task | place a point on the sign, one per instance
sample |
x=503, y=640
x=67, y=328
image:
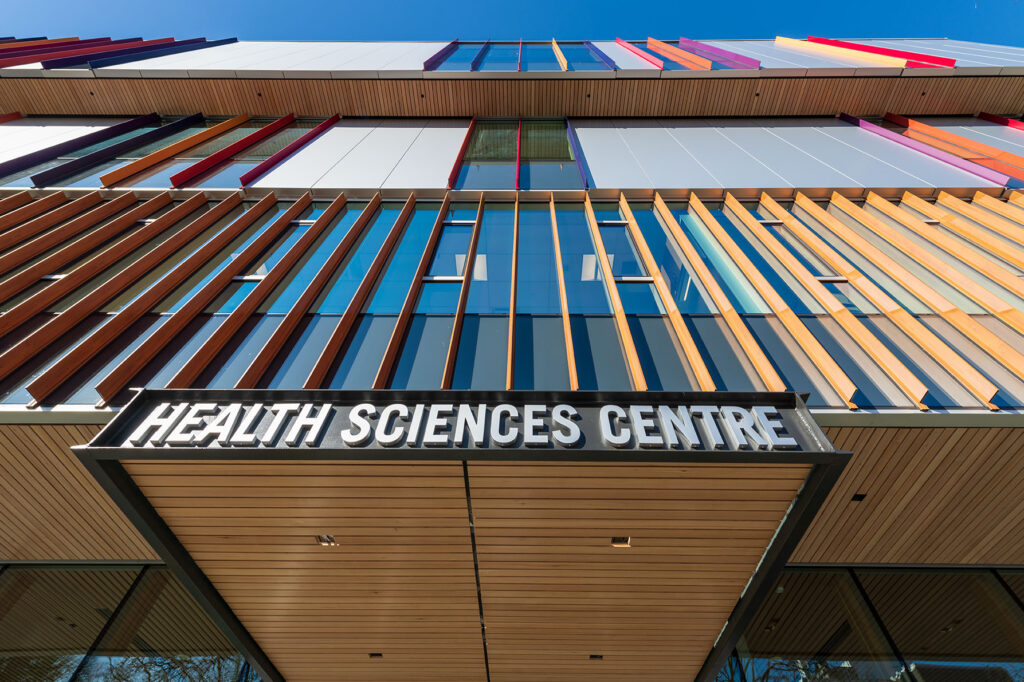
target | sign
x=452, y=421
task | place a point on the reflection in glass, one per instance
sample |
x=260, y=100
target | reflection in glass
x=421, y=364
x=483, y=352
x=500, y=57
x=815, y=625
x=393, y=286
x=686, y=289
x=461, y=58
x=960, y=625
x=361, y=357
x=451, y=251
x=540, y=359
x=546, y=160
x=539, y=58
x=621, y=251
x=49, y=617
x=600, y=363
x=490, y=159
x=581, y=58
x=584, y=281
x=490, y=286
x=536, y=278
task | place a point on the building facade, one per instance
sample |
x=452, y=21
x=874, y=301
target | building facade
x=495, y=361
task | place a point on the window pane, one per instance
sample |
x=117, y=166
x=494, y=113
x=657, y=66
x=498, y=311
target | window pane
x=639, y=298
x=546, y=158
x=621, y=252
x=483, y=353
x=540, y=58
x=232, y=361
x=536, y=279
x=795, y=368
x=598, y=353
x=303, y=348
x=541, y=362
x=688, y=292
x=421, y=364
x=723, y=356
x=452, y=248
x=815, y=625
x=438, y=298
x=460, y=58
x=661, y=356
x=582, y=58
x=393, y=286
x=959, y=625
x=163, y=635
x=584, y=283
x=490, y=287
x=500, y=58
x=490, y=159
x=669, y=64
x=361, y=358
x=49, y=617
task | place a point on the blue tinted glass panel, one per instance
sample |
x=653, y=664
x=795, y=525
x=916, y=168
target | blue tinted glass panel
x=84, y=381
x=537, y=278
x=725, y=272
x=263, y=265
x=487, y=175
x=91, y=176
x=365, y=349
x=451, y=251
x=461, y=58
x=669, y=64
x=227, y=175
x=661, y=356
x=85, y=151
x=462, y=210
x=540, y=357
x=539, y=58
x=438, y=298
x=686, y=289
x=349, y=276
x=598, y=354
x=721, y=354
x=500, y=58
x=14, y=388
x=798, y=373
x=300, y=354
x=621, y=251
x=185, y=346
x=285, y=299
x=582, y=58
x=421, y=363
x=229, y=365
x=584, y=283
x=490, y=287
x=159, y=175
x=639, y=298
x=770, y=271
x=394, y=283
x=606, y=211
x=483, y=353
x=549, y=175
x=24, y=178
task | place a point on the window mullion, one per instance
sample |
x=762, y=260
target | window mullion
x=574, y=383
x=460, y=311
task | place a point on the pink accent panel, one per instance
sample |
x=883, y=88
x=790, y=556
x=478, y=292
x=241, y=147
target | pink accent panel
x=217, y=158
x=929, y=60
x=454, y=175
x=519, y=146
x=288, y=150
x=640, y=53
x=1002, y=120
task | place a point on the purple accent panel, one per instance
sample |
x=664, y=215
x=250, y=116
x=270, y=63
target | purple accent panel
x=288, y=150
x=442, y=54
x=602, y=56
x=15, y=51
x=718, y=54
x=928, y=150
x=574, y=143
x=475, y=64
x=28, y=160
x=67, y=62
x=180, y=47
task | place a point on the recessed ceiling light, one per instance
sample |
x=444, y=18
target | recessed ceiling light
x=859, y=497
x=376, y=654
x=326, y=541
x=621, y=541
x=596, y=657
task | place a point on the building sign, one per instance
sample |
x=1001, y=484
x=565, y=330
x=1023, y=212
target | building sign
x=453, y=421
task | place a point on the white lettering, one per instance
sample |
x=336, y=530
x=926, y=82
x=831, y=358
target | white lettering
x=569, y=434
x=610, y=414
x=740, y=428
x=504, y=438
x=157, y=424
x=474, y=424
x=221, y=427
x=313, y=425
x=678, y=423
x=414, y=426
x=393, y=437
x=359, y=432
x=773, y=428
x=244, y=434
x=281, y=413
x=534, y=429
x=706, y=414
x=435, y=431
x=642, y=417
x=182, y=433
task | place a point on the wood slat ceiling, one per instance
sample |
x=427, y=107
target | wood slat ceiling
x=933, y=495
x=51, y=508
x=401, y=582
x=524, y=97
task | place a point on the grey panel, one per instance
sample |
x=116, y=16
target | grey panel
x=723, y=158
x=1004, y=137
x=622, y=57
x=665, y=162
x=373, y=159
x=773, y=56
x=27, y=135
x=429, y=160
x=310, y=163
x=608, y=157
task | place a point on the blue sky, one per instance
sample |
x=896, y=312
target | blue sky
x=994, y=21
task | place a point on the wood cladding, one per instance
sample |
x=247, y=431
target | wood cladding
x=803, y=96
x=400, y=582
x=932, y=496
x=51, y=508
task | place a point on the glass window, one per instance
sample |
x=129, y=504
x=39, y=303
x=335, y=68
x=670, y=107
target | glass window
x=539, y=57
x=393, y=286
x=537, y=290
x=236, y=356
x=49, y=617
x=815, y=625
x=362, y=355
x=438, y=298
x=622, y=253
x=582, y=58
x=722, y=354
x=639, y=298
x=500, y=57
x=689, y=294
x=490, y=158
x=142, y=644
x=422, y=361
x=669, y=64
x=451, y=251
x=490, y=287
x=461, y=58
x=293, y=364
x=483, y=353
x=598, y=353
x=660, y=354
x=547, y=161
x=960, y=625
x=540, y=357
x=584, y=283
x=793, y=367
